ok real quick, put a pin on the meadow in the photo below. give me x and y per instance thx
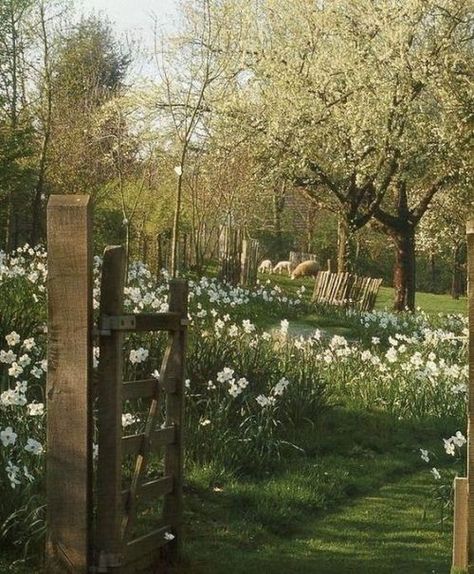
(317, 439)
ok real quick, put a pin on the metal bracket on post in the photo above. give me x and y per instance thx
(109, 323)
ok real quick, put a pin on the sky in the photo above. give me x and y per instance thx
(135, 19)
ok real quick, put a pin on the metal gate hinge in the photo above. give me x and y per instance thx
(109, 323)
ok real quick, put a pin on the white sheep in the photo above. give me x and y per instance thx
(306, 269)
(282, 266)
(265, 266)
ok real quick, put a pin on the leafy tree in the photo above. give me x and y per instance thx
(356, 100)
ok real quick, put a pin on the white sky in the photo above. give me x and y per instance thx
(135, 15)
(135, 19)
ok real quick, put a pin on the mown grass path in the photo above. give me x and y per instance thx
(386, 532)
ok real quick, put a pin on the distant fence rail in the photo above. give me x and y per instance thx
(346, 289)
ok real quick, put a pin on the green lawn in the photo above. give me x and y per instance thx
(359, 503)
(429, 302)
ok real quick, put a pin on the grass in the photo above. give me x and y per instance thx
(357, 503)
(429, 302)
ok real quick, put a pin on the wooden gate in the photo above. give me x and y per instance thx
(346, 289)
(76, 543)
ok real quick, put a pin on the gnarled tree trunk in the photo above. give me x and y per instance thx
(404, 276)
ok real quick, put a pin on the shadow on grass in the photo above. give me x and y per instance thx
(328, 512)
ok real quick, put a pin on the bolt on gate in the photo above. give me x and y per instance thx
(91, 515)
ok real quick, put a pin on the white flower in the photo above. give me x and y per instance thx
(21, 386)
(391, 355)
(33, 446)
(28, 344)
(459, 439)
(129, 419)
(169, 536)
(12, 397)
(264, 401)
(375, 340)
(138, 355)
(7, 357)
(435, 473)
(15, 370)
(284, 327)
(280, 387)
(35, 409)
(248, 326)
(13, 339)
(24, 360)
(242, 383)
(424, 455)
(234, 390)
(316, 335)
(233, 331)
(205, 422)
(449, 447)
(178, 170)
(156, 374)
(12, 473)
(95, 357)
(8, 436)
(187, 383)
(225, 375)
(36, 372)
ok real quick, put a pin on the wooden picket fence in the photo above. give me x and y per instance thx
(346, 289)
(238, 257)
(91, 524)
(463, 527)
(249, 260)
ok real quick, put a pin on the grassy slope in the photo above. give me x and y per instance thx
(354, 505)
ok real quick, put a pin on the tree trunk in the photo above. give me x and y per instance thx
(176, 227)
(342, 246)
(433, 272)
(278, 206)
(404, 273)
(456, 288)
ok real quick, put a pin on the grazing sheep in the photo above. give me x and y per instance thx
(282, 266)
(306, 269)
(265, 266)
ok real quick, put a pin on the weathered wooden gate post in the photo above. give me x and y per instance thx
(69, 456)
(463, 534)
(470, 415)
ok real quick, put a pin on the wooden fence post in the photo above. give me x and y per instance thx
(460, 534)
(174, 456)
(109, 470)
(470, 422)
(69, 436)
